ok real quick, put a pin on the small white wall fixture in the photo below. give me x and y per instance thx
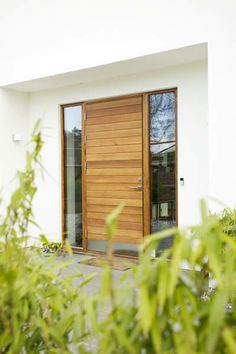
(16, 138)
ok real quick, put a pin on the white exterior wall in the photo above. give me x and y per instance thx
(41, 38)
(13, 120)
(191, 80)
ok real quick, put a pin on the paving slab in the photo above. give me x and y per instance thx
(75, 266)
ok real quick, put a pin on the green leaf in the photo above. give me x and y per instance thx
(216, 319)
(43, 239)
(37, 126)
(175, 263)
(68, 248)
(230, 340)
(111, 220)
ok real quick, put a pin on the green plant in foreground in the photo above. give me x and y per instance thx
(228, 221)
(157, 307)
(38, 307)
(162, 308)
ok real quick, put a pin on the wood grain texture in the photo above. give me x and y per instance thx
(125, 232)
(115, 201)
(146, 167)
(114, 134)
(114, 163)
(84, 184)
(114, 111)
(122, 217)
(117, 102)
(114, 126)
(115, 194)
(114, 148)
(128, 180)
(118, 141)
(115, 156)
(108, 187)
(127, 238)
(116, 118)
(108, 209)
(116, 115)
(137, 172)
(127, 225)
(63, 224)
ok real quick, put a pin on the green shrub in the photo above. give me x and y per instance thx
(165, 309)
(51, 247)
(38, 307)
(157, 307)
(228, 221)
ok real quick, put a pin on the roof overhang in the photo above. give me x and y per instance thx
(136, 65)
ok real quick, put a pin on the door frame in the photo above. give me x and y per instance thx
(84, 212)
(146, 159)
(145, 164)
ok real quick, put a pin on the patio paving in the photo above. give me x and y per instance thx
(94, 285)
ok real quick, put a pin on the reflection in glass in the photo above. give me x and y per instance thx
(162, 117)
(163, 163)
(73, 174)
(163, 186)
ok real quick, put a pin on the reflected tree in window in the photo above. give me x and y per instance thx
(163, 157)
(162, 117)
(73, 174)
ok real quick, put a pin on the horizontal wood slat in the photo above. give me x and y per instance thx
(114, 103)
(114, 201)
(114, 163)
(113, 149)
(115, 141)
(121, 225)
(114, 126)
(117, 238)
(129, 180)
(114, 134)
(124, 232)
(132, 194)
(114, 111)
(109, 208)
(115, 156)
(109, 187)
(115, 172)
(114, 119)
(122, 217)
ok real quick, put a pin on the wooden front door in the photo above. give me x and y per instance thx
(114, 167)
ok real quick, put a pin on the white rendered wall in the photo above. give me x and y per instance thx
(13, 120)
(191, 80)
(41, 37)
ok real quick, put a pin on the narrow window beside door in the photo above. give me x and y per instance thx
(73, 175)
(163, 160)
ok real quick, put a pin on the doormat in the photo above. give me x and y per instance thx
(122, 252)
(117, 263)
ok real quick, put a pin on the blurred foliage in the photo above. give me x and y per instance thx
(51, 247)
(39, 308)
(156, 307)
(162, 308)
(228, 221)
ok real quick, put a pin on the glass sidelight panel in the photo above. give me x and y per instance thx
(73, 175)
(162, 162)
(163, 186)
(162, 117)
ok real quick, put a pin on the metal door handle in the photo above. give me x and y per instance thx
(139, 188)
